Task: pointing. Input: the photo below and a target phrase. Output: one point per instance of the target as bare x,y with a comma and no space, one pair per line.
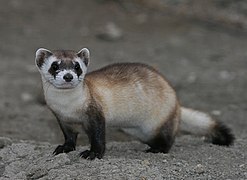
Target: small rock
4,142
143,178
26,97
226,75
216,112
110,32
146,162
199,169
164,161
242,165
191,78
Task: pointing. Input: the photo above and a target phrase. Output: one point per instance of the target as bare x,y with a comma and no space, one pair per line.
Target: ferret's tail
199,123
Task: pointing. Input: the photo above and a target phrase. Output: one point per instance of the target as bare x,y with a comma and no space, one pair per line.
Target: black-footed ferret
131,96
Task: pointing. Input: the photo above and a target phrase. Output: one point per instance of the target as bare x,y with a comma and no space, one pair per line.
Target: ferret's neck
55,96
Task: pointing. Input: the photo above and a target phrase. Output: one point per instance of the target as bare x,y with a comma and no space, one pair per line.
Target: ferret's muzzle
68,77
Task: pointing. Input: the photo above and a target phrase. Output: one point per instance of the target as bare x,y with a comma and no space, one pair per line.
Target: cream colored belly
137,109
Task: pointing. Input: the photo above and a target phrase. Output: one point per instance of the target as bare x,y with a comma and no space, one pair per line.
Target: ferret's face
63,69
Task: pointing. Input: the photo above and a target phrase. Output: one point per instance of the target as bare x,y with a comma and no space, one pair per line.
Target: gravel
124,160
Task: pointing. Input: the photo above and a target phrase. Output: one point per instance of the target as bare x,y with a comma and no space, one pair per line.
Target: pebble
216,112
242,165
192,78
245,174
111,32
164,161
146,162
26,97
199,169
226,75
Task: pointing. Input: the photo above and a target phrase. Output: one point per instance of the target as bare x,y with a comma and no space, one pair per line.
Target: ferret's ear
84,55
41,55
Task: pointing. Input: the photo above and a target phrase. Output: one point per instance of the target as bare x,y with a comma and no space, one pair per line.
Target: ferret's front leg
96,133
70,139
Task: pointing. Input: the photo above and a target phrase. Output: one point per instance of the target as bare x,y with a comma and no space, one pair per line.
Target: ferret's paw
63,149
90,155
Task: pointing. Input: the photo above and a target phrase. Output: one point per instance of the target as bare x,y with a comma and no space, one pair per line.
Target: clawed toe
87,154
63,149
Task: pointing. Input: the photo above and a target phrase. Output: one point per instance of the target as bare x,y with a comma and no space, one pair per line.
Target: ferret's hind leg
161,143
163,139
158,142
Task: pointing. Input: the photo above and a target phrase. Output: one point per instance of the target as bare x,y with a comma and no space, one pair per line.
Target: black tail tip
222,135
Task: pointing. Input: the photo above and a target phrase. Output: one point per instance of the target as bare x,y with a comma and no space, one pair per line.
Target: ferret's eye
77,67
54,66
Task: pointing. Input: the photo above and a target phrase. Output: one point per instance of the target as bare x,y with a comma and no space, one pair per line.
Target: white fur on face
58,81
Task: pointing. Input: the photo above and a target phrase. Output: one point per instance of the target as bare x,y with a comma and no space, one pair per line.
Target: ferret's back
124,72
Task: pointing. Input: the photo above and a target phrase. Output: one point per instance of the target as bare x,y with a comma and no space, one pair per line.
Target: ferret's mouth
66,85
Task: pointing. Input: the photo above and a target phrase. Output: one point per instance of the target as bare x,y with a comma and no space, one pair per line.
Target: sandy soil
205,63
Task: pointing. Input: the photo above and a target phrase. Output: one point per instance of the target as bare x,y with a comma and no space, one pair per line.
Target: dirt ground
205,62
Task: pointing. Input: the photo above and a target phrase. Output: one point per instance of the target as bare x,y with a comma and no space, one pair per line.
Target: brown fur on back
121,72
133,90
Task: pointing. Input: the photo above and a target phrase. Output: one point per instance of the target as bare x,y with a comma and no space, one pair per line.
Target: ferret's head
64,69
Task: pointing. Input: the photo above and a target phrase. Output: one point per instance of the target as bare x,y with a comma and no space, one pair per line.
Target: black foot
63,149
90,155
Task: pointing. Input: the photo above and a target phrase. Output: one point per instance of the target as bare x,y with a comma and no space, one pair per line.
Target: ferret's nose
68,77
